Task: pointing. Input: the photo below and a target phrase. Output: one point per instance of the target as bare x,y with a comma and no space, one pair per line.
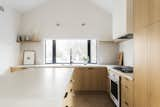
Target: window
70,51
49,51
93,51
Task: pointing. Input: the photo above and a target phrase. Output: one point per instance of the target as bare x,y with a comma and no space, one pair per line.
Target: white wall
127,48
38,47
69,14
107,53
9,50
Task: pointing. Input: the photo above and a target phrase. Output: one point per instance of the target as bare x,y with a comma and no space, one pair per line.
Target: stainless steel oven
115,88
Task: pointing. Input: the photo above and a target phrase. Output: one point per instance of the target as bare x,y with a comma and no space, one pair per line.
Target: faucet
71,62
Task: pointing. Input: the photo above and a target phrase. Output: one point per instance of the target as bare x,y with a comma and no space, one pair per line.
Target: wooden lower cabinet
68,101
127,94
68,97
90,79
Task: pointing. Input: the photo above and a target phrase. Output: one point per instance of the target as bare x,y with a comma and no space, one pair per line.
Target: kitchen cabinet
141,69
147,67
154,9
147,43
126,92
153,75
147,14
90,79
68,97
122,18
68,101
141,14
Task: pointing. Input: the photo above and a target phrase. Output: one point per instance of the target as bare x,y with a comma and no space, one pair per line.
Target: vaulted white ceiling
105,4
24,5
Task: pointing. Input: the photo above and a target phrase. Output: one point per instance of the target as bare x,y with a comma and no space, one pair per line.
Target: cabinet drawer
124,104
126,82
126,93
123,94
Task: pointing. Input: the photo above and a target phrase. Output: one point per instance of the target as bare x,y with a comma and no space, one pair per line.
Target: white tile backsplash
127,47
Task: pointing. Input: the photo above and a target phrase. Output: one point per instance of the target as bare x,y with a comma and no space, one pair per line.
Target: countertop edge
129,76
126,75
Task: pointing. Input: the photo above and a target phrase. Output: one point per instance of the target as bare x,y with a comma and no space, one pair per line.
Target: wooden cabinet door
147,67
141,72
147,43
123,96
78,79
141,14
129,96
154,10
154,65
90,79
126,93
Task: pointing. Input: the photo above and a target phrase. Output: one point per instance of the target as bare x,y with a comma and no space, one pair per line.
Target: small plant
85,59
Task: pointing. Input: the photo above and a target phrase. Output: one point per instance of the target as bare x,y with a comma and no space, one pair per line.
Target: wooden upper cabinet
141,14
146,12
122,18
154,11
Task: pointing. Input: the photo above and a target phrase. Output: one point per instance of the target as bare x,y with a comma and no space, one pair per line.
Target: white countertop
61,65
127,75
34,87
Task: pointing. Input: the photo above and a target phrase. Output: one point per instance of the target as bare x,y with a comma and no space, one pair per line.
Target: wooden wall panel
90,79
154,65
147,53
141,14
140,74
154,10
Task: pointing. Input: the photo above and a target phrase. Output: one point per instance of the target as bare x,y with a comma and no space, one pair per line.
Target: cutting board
120,58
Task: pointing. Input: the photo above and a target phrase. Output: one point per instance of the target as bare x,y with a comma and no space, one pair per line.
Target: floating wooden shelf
14,69
29,41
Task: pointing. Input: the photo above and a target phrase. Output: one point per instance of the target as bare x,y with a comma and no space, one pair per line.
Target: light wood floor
91,99
44,87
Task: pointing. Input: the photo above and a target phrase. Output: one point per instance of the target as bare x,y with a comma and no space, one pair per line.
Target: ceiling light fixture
57,24
83,24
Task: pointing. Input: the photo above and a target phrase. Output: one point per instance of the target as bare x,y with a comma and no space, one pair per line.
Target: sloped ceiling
104,4
25,5
69,14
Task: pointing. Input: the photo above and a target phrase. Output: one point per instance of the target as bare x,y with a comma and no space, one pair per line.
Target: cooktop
124,69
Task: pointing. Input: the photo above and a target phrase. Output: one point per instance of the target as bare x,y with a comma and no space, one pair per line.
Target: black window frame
54,53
